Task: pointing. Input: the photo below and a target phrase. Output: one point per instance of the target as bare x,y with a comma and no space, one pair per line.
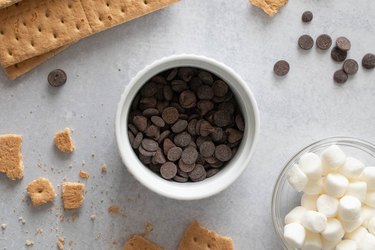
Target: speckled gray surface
296,110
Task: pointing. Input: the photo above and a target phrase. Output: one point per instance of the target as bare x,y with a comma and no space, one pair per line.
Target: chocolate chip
145,152
217,164
197,172
162,105
340,76
149,145
137,140
306,42
145,159
211,159
168,170
189,155
212,172
167,93
159,79
350,66
179,126
167,145
220,88
150,112
147,102
149,89
240,122
164,135
343,43
179,85
170,115
195,83
57,78
222,118
205,92
281,68
205,106
184,167
182,173
201,139
205,128
223,152
174,153
217,135
182,140
227,107
180,179
307,16
178,107
206,77
172,74
338,55
158,121
185,73
153,132
159,157
191,126
207,149
202,178
132,128
140,122
324,42
233,135
131,137
368,61
187,99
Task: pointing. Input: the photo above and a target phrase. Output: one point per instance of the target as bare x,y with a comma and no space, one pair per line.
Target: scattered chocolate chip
174,153
170,115
187,99
350,66
189,155
179,126
281,68
368,61
338,55
340,76
207,149
307,16
158,121
343,43
306,42
168,170
182,140
223,152
324,42
57,78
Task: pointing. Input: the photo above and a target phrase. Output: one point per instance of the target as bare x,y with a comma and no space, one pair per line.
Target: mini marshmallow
357,235
367,243
371,225
312,241
335,185
350,226
347,245
349,208
295,215
329,245
368,175
314,187
309,201
311,165
314,221
296,178
357,189
352,168
332,158
334,230
366,214
370,199
294,235
327,205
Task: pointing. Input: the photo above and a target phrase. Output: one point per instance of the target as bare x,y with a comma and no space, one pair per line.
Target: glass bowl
285,198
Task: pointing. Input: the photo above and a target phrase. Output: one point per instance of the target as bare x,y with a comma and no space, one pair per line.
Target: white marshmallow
314,187
327,205
296,178
350,226
357,235
334,230
352,168
347,245
349,208
332,158
314,221
366,214
312,241
309,201
294,235
335,185
311,165
329,245
368,175
371,225
357,189
367,243
295,215
370,199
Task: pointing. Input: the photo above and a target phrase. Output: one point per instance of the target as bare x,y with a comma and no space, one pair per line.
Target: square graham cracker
6,3
11,156
138,242
72,194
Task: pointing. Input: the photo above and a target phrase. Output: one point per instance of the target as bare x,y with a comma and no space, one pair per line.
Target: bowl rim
343,140
199,62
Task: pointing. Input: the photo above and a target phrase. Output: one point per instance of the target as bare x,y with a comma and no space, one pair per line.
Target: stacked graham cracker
32,31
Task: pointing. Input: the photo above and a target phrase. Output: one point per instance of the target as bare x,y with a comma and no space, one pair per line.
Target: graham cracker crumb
11,156
29,243
92,217
63,141
269,6
149,228
41,191
72,195
114,210
22,220
84,174
137,242
104,168
60,243
38,231
4,226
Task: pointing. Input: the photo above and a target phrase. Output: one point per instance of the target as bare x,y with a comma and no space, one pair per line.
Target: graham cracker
138,242
200,238
35,27
21,68
72,195
11,156
41,191
6,3
63,141
269,6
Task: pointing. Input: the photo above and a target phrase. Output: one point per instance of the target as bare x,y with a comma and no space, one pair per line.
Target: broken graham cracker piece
6,3
72,194
200,238
269,6
84,174
11,156
138,242
41,191
32,28
63,141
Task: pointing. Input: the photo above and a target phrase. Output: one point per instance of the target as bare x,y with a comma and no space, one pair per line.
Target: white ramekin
210,186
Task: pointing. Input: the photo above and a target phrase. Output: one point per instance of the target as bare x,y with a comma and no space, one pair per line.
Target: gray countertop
296,110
